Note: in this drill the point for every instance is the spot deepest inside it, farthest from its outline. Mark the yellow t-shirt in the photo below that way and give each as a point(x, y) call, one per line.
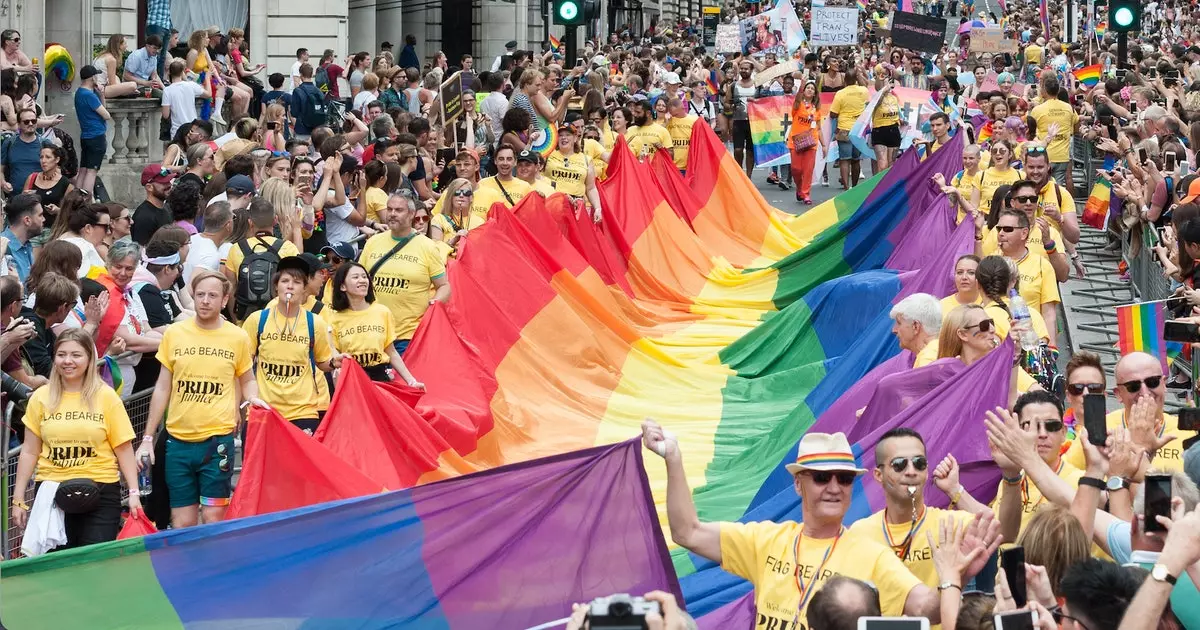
point(365, 334)
point(927, 355)
point(1168, 458)
point(762, 553)
point(205, 366)
point(681, 136)
point(543, 185)
point(950, 302)
point(966, 184)
point(404, 282)
point(919, 559)
point(258, 244)
point(568, 172)
point(993, 179)
point(1056, 111)
point(376, 201)
point(516, 189)
point(1066, 205)
point(1035, 244)
point(287, 378)
point(1004, 321)
point(1033, 55)
point(480, 204)
point(1031, 497)
point(309, 305)
point(1038, 285)
point(450, 227)
point(646, 140)
point(887, 111)
point(78, 442)
point(848, 105)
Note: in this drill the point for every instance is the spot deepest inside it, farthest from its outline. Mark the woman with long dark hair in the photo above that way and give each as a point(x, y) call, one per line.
point(804, 139)
point(364, 329)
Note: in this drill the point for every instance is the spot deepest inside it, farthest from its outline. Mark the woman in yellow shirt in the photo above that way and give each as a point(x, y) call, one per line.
point(571, 171)
point(363, 329)
point(78, 435)
point(969, 334)
point(198, 62)
point(885, 124)
point(457, 217)
point(999, 173)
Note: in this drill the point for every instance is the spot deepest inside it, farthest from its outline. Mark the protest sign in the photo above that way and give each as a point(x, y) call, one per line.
point(834, 26)
point(767, 76)
point(918, 32)
point(712, 19)
point(991, 40)
point(451, 98)
point(729, 38)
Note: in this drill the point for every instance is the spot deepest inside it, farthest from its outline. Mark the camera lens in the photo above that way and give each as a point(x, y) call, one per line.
point(620, 609)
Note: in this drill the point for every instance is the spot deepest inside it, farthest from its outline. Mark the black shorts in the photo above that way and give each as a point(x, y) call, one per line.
point(92, 152)
point(741, 135)
point(888, 136)
point(102, 524)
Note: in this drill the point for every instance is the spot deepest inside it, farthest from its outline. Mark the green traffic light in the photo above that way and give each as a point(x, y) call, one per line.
point(568, 10)
point(1123, 16)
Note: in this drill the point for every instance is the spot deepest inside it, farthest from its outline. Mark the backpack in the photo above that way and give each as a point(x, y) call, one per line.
point(321, 80)
point(314, 111)
point(254, 289)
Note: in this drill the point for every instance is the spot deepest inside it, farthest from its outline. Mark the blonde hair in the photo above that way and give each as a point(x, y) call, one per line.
point(1054, 539)
point(198, 41)
point(91, 378)
point(282, 198)
point(949, 343)
point(452, 188)
point(114, 46)
point(370, 81)
point(236, 33)
point(274, 112)
point(205, 274)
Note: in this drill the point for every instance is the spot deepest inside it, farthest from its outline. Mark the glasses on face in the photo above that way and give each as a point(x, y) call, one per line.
point(1025, 198)
point(31, 121)
point(1077, 389)
point(985, 325)
point(107, 227)
point(16, 40)
point(1135, 386)
point(1059, 616)
point(1008, 229)
point(463, 192)
point(424, 218)
point(1051, 426)
point(823, 477)
point(900, 464)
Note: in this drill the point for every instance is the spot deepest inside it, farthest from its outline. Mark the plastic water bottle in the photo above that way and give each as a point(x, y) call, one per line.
point(1022, 322)
point(144, 477)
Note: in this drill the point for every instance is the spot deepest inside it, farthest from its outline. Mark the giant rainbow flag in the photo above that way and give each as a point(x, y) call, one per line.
point(735, 325)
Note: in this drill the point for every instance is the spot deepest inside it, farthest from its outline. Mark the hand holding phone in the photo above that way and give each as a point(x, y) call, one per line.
point(1158, 501)
point(1093, 418)
point(1012, 560)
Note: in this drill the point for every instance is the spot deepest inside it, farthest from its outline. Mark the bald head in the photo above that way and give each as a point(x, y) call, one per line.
point(1132, 372)
point(839, 604)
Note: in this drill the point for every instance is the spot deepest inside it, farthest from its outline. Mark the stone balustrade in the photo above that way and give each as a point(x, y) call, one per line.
point(133, 131)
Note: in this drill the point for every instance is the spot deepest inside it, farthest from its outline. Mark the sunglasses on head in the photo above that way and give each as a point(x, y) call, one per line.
point(1008, 229)
point(1135, 386)
point(1025, 198)
point(1076, 389)
point(1035, 150)
point(900, 464)
point(823, 477)
point(1051, 426)
point(985, 325)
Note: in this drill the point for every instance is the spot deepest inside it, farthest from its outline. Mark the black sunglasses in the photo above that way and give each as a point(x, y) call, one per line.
point(1008, 229)
point(31, 121)
point(463, 192)
point(1051, 426)
point(1025, 198)
point(424, 218)
point(1076, 389)
point(107, 227)
point(900, 464)
point(1135, 386)
point(1038, 150)
point(823, 477)
point(983, 326)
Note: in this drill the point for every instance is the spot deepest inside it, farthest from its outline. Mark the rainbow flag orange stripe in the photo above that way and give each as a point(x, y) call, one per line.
point(1140, 329)
point(555, 44)
point(1088, 75)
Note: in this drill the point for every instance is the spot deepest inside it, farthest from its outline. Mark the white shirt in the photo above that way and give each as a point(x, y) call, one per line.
point(361, 100)
point(224, 196)
point(494, 106)
point(291, 84)
point(91, 258)
point(337, 229)
point(203, 254)
point(181, 97)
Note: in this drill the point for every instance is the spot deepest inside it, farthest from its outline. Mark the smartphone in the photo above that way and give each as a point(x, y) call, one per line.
point(1133, 107)
point(1016, 620)
point(1158, 501)
point(272, 125)
point(1012, 560)
point(893, 623)
point(1093, 418)
point(1186, 332)
point(1121, 74)
point(1143, 157)
point(1189, 419)
point(1169, 161)
point(578, 63)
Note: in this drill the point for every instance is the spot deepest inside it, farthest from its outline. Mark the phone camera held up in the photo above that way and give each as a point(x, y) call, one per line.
point(621, 612)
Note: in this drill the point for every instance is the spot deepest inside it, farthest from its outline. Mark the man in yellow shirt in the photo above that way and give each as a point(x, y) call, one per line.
point(646, 136)
point(967, 180)
point(504, 186)
point(902, 470)
point(1142, 388)
point(529, 170)
point(1054, 201)
point(789, 562)
point(916, 322)
point(1038, 283)
point(847, 106)
point(405, 267)
point(262, 223)
point(1054, 112)
point(939, 126)
point(679, 125)
point(205, 361)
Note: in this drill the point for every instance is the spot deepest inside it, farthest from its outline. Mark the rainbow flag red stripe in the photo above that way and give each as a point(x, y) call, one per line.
point(555, 43)
point(1088, 75)
point(711, 83)
point(1140, 329)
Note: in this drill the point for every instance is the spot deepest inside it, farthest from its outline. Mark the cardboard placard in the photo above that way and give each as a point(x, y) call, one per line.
point(712, 19)
point(834, 26)
point(776, 71)
point(759, 34)
point(991, 40)
point(729, 38)
point(451, 98)
point(918, 32)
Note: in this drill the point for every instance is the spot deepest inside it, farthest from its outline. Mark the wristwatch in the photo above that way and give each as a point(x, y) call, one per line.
point(1093, 482)
point(1161, 574)
point(1118, 483)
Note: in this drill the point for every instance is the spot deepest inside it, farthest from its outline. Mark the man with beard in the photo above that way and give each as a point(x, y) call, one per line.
point(736, 103)
point(646, 136)
point(504, 186)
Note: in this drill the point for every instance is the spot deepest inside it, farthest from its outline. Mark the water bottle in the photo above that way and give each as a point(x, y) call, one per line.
point(1022, 322)
point(144, 476)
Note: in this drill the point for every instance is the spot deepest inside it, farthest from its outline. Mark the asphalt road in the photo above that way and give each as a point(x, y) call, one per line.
point(786, 199)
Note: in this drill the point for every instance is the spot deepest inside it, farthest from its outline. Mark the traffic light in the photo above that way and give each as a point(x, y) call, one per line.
point(1124, 16)
point(575, 12)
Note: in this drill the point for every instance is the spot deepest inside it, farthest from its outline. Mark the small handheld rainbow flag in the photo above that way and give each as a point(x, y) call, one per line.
point(1101, 28)
point(711, 83)
point(555, 44)
point(1088, 75)
point(1140, 329)
point(1095, 212)
point(985, 133)
point(862, 5)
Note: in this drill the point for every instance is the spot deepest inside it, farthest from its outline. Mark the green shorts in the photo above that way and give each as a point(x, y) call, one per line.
point(200, 472)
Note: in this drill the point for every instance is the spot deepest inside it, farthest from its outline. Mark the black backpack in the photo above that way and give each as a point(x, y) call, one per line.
point(254, 288)
point(314, 111)
point(321, 80)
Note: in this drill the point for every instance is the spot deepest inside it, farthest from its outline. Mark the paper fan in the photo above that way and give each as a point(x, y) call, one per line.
point(544, 141)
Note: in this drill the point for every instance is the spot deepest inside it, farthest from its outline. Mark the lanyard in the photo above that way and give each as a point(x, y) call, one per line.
point(807, 591)
point(901, 550)
point(1025, 485)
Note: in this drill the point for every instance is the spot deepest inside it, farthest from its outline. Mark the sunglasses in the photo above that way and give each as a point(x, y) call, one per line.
point(421, 219)
point(462, 192)
point(1051, 426)
point(1008, 229)
point(983, 326)
point(823, 477)
point(1135, 386)
point(1025, 198)
point(107, 227)
point(1076, 389)
point(1035, 150)
point(900, 464)
point(29, 122)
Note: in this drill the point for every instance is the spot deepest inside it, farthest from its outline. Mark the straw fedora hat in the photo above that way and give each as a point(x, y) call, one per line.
point(824, 451)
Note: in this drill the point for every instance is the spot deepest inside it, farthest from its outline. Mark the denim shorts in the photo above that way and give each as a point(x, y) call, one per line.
point(847, 151)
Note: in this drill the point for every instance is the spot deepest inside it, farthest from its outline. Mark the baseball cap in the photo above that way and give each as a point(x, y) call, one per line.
point(154, 173)
point(240, 184)
point(510, 44)
point(345, 251)
point(386, 45)
point(671, 78)
point(88, 72)
point(528, 156)
point(315, 264)
point(294, 262)
point(467, 152)
point(1192, 193)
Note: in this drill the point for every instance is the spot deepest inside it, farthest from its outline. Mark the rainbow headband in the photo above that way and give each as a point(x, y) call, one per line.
point(827, 460)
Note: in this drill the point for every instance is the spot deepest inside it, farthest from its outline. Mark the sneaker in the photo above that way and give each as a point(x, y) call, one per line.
point(772, 178)
point(783, 185)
